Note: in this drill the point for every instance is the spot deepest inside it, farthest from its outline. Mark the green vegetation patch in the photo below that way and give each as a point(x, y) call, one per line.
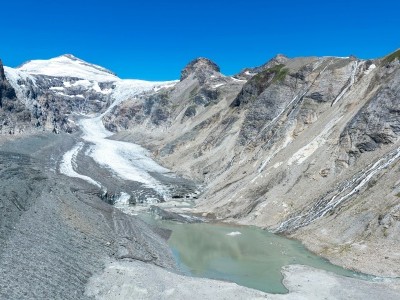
point(281, 75)
point(391, 57)
point(278, 72)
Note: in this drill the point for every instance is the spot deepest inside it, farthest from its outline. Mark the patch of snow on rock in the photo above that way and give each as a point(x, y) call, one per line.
point(370, 68)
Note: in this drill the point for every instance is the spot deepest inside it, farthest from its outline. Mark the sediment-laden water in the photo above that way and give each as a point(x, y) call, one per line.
point(247, 255)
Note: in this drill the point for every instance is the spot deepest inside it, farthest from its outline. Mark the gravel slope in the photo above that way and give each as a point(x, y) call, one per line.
point(55, 231)
point(136, 280)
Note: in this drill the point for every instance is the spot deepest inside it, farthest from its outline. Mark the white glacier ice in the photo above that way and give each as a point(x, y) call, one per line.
point(68, 163)
point(127, 160)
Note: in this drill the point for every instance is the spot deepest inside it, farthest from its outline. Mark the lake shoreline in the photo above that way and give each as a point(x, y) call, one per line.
point(136, 280)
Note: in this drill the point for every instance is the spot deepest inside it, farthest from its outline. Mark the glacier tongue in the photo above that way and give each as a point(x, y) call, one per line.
point(68, 163)
point(126, 160)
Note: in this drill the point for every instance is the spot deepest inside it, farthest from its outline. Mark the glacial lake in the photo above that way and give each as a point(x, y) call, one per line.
point(246, 255)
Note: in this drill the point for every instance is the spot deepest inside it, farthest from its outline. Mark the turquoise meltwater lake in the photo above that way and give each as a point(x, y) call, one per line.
point(246, 255)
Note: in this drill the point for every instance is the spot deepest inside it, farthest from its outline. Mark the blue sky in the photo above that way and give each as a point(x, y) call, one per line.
point(154, 40)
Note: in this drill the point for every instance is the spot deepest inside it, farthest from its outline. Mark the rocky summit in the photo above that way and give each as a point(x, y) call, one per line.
point(201, 68)
point(306, 147)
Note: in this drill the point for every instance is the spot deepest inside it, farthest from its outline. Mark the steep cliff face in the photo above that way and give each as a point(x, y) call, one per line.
point(304, 146)
point(14, 116)
point(378, 122)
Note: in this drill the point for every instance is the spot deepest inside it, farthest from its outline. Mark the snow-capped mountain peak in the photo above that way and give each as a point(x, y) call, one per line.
point(68, 65)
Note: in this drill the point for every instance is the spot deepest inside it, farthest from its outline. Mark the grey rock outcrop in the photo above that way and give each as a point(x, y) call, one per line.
point(14, 116)
point(201, 68)
point(378, 122)
point(163, 214)
point(6, 90)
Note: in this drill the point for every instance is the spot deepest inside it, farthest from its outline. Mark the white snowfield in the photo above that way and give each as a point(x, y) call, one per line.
point(68, 66)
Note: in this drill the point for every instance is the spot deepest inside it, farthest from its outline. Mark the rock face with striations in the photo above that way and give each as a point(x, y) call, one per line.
point(378, 122)
point(6, 90)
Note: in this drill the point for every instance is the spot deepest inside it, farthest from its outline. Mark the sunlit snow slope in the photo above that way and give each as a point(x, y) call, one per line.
point(68, 66)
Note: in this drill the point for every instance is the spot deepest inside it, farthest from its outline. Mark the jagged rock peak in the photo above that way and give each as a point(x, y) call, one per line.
point(199, 65)
point(281, 58)
point(2, 75)
point(277, 60)
point(247, 73)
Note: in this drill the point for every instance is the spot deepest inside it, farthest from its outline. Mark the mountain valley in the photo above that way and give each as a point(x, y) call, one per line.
point(307, 148)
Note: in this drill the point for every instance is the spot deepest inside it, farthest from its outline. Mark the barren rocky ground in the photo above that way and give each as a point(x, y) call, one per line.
point(56, 232)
